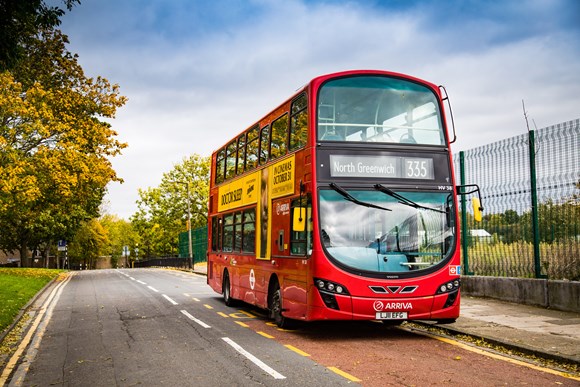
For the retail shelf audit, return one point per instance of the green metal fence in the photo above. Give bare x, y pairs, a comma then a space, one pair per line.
198, 244
530, 186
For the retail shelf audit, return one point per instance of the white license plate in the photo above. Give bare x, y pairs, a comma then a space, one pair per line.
391, 315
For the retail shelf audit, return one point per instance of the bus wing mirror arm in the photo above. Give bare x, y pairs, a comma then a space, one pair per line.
476, 201
446, 98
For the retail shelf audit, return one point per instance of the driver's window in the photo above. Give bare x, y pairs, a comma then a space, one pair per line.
301, 241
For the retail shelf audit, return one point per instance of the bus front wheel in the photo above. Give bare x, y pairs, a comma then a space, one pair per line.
276, 309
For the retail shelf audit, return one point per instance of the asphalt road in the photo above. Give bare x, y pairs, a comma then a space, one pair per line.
154, 327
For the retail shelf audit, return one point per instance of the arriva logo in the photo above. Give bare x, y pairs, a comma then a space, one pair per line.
399, 305
380, 306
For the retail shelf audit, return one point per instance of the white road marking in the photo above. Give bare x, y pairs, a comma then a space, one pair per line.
152, 288
195, 319
254, 359
169, 299
142, 283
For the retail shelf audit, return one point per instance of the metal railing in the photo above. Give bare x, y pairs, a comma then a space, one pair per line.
198, 244
530, 186
182, 263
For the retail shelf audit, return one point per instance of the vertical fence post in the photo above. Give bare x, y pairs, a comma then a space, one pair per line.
464, 228
534, 196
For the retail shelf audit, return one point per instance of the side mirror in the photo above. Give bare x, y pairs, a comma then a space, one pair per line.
476, 209
475, 202
299, 219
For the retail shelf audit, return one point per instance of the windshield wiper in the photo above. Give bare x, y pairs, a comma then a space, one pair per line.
404, 200
351, 198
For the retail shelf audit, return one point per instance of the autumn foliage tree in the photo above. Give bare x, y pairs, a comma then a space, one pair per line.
120, 233
55, 144
88, 244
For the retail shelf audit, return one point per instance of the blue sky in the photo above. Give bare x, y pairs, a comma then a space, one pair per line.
197, 72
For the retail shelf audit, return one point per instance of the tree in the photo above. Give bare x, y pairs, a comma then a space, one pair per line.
121, 233
20, 20
558, 222
88, 244
507, 226
511, 217
162, 211
54, 146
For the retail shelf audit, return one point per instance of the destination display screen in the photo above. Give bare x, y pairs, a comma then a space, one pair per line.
380, 166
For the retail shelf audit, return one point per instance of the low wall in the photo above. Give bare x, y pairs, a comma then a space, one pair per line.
560, 295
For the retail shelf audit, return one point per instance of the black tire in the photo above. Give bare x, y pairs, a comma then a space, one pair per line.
276, 304
226, 291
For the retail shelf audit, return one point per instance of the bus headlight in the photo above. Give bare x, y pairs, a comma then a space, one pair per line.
328, 291
449, 287
330, 287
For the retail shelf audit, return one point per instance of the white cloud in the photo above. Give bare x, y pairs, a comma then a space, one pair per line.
190, 93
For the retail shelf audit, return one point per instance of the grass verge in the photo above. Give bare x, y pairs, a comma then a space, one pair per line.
17, 287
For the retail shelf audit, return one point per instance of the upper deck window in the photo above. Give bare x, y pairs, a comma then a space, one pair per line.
279, 142
252, 148
378, 109
299, 123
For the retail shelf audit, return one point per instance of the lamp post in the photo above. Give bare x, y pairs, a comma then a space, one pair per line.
189, 246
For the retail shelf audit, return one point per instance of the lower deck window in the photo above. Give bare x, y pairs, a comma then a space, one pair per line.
238, 232
249, 231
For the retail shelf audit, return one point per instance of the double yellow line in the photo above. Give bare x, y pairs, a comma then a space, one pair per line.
39, 323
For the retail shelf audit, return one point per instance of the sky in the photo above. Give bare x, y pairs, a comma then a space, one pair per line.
197, 72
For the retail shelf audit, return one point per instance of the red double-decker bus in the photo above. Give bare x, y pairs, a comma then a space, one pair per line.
340, 204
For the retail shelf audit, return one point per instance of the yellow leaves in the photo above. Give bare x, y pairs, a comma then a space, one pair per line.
90, 241
24, 112
54, 144
30, 273
17, 186
54, 138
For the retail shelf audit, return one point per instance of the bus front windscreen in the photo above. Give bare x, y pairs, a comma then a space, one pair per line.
378, 109
380, 231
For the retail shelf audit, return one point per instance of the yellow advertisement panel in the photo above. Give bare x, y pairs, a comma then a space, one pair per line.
282, 178
238, 193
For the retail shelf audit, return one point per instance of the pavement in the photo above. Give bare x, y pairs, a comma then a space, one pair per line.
546, 333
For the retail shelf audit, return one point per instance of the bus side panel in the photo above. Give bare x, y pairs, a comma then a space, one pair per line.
215, 280
251, 280
295, 299
251, 284
234, 273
